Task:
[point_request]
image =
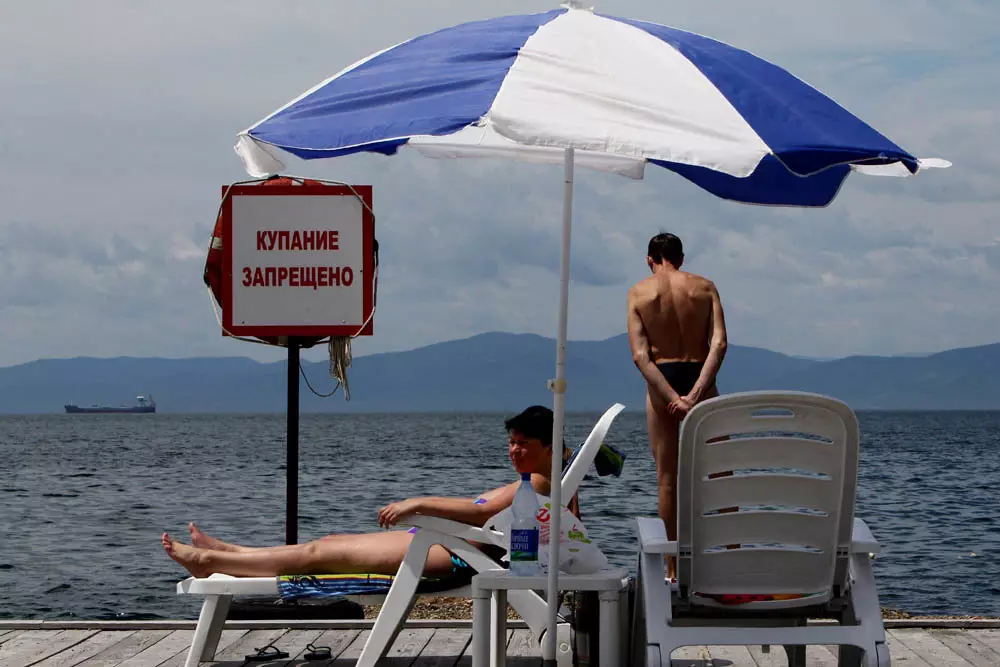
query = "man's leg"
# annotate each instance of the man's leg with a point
(663, 438)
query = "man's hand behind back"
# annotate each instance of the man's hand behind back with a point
(679, 407)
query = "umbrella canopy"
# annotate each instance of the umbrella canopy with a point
(574, 87)
(623, 93)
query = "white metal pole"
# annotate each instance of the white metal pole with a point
(559, 416)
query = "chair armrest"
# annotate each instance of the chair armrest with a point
(223, 584)
(653, 537)
(455, 528)
(862, 540)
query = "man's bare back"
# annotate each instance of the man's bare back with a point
(676, 312)
(677, 332)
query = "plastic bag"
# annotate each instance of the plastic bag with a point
(578, 554)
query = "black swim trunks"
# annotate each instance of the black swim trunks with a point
(682, 375)
(461, 569)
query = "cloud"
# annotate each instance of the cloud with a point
(116, 135)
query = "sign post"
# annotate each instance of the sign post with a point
(292, 446)
(297, 266)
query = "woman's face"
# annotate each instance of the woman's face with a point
(528, 454)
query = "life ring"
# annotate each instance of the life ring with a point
(213, 266)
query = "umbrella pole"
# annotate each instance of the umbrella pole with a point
(558, 388)
(292, 452)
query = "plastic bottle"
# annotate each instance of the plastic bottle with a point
(524, 530)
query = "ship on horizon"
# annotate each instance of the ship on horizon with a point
(142, 406)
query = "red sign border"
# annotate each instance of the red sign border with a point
(367, 262)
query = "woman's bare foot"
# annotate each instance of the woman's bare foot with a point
(204, 541)
(192, 558)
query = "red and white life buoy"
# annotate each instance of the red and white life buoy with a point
(213, 265)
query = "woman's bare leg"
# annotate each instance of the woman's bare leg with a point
(203, 540)
(377, 553)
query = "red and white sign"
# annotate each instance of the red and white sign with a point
(298, 260)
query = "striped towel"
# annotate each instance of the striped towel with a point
(297, 586)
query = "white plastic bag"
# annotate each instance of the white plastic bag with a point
(578, 554)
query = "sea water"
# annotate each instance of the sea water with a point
(84, 498)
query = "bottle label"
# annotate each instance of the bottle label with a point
(524, 544)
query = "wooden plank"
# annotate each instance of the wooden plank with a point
(522, 644)
(466, 659)
(822, 656)
(775, 657)
(247, 645)
(336, 640)
(7, 635)
(135, 642)
(445, 648)
(967, 646)
(523, 649)
(733, 656)
(294, 644)
(990, 638)
(349, 656)
(173, 648)
(900, 654)
(227, 638)
(86, 649)
(930, 649)
(23, 641)
(35, 645)
(691, 656)
(408, 645)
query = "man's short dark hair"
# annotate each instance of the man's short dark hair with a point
(535, 422)
(667, 247)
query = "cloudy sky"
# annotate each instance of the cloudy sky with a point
(117, 121)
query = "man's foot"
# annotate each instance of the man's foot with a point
(191, 558)
(203, 541)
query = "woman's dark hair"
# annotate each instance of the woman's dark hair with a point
(535, 422)
(667, 247)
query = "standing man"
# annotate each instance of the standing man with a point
(677, 333)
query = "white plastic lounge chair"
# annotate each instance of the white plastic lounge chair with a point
(219, 589)
(765, 498)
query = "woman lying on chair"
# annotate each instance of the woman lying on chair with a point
(530, 450)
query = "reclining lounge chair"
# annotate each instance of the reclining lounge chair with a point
(766, 538)
(397, 594)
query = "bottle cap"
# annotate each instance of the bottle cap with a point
(525, 476)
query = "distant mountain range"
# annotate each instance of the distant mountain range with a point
(493, 372)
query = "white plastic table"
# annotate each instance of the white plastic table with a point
(489, 621)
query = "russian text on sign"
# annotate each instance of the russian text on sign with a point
(311, 239)
(298, 276)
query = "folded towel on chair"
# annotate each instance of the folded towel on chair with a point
(738, 599)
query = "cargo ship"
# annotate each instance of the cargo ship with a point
(142, 406)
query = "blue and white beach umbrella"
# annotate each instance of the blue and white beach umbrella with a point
(621, 92)
(575, 87)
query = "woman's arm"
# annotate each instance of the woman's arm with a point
(473, 511)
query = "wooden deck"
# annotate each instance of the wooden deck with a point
(425, 645)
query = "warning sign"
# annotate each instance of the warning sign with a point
(298, 260)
